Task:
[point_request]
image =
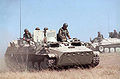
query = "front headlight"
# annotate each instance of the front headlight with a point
(51, 55)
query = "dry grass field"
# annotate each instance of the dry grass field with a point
(109, 68)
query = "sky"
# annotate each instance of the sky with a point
(84, 17)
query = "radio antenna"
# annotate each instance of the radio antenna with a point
(108, 21)
(20, 19)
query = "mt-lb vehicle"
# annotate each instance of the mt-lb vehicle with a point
(106, 45)
(44, 52)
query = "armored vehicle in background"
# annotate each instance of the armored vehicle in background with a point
(44, 52)
(106, 45)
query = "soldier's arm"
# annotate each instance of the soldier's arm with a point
(68, 35)
(30, 35)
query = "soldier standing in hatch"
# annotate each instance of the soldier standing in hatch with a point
(27, 36)
(100, 35)
(45, 38)
(98, 38)
(115, 34)
(63, 33)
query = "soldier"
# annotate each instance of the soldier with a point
(63, 33)
(27, 36)
(115, 34)
(100, 35)
(45, 29)
(45, 38)
(111, 34)
(98, 38)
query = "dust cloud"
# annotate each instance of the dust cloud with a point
(109, 68)
(3, 67)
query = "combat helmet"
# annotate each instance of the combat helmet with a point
(65, 25)
(37, 28)
(26, 30)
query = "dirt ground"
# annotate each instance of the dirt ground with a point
(109, 68)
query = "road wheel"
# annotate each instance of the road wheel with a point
(112, 50)
(106, 50)
(101, 49)
(118, 49)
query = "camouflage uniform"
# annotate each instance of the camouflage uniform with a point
(111, 34)
(27, 35)
(100, 36)
(115, 35)
(63, 34)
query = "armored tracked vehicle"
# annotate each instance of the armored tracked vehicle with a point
(106, 45)
(46, 52)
